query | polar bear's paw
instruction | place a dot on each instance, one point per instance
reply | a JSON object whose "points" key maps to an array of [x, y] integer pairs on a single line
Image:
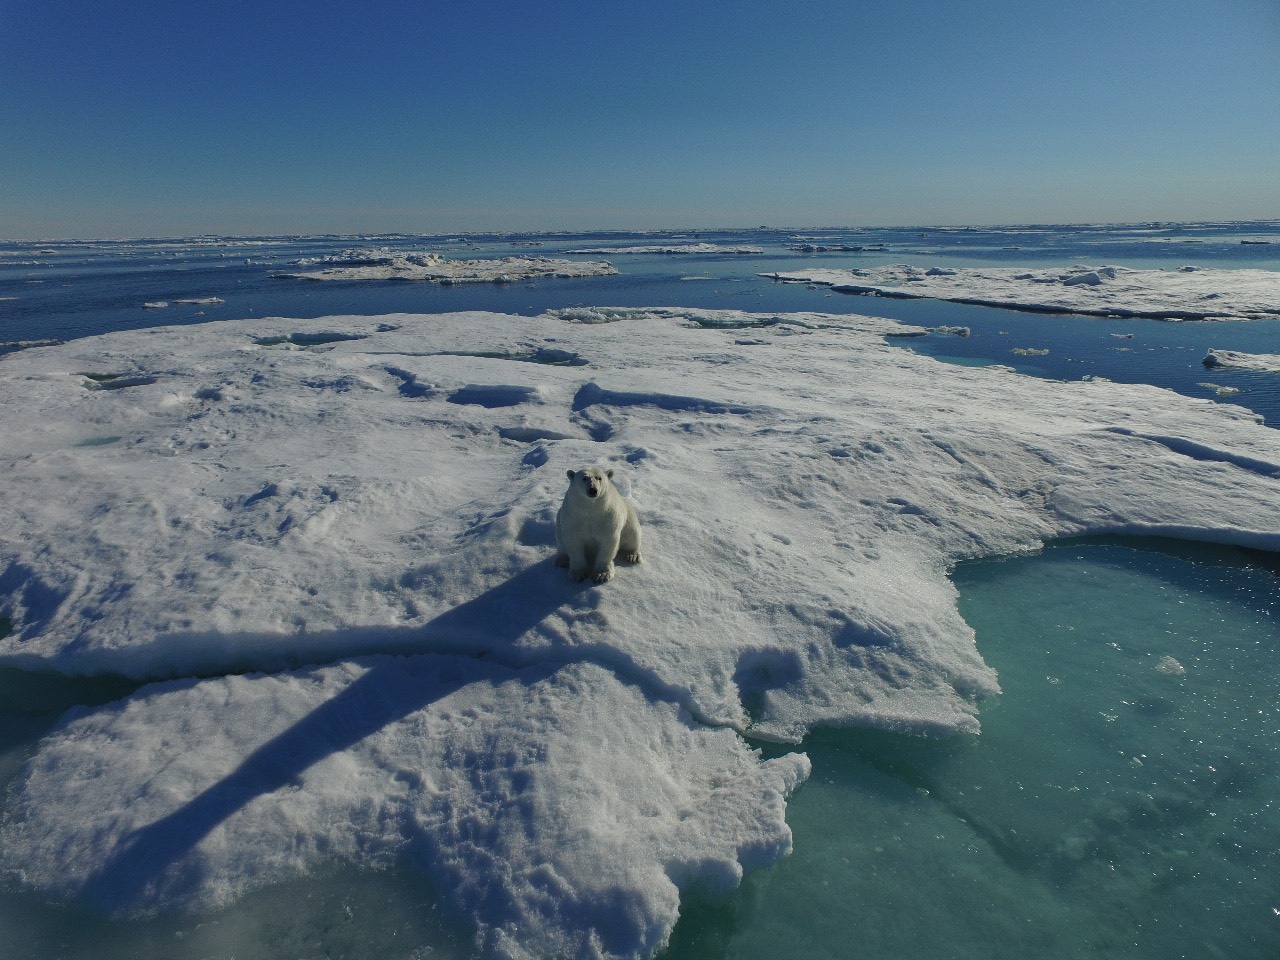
{"points": [[605, 575], [631, 556]]}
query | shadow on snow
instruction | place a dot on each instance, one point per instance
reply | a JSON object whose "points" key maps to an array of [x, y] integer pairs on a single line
{"points": [[384, 695]]}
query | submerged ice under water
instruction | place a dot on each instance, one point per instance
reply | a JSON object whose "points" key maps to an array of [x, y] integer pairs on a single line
{"points": [[1119, 802]]}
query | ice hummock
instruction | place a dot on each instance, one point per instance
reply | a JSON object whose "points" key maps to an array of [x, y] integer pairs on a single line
{"points": [[383, 264], [1189, 293], [1235, 359], [675, 249], [332, 546]]}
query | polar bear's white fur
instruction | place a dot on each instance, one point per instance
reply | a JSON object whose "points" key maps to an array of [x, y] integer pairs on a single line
{"points": [[596, 525]]}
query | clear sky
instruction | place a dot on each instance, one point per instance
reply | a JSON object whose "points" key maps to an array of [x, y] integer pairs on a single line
{"points": [[293, 116]]}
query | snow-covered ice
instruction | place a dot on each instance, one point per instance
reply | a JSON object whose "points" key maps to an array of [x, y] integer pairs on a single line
{"points": [[1185, 294], [560, 805], [10, 346], [835, 247], [1260, 362], [432, 267], [331, 543], [675, 249], [198, 301]]}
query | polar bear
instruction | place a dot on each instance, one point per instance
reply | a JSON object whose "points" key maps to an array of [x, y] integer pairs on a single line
{"points": [[595, 525]]}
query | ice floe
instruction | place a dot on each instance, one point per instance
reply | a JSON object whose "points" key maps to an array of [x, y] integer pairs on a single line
{"points": [[331, 544], [809, 247], [1185, 294], [675, 249], [12, 346], [435, 268], [197, 301], [1261, 362]]}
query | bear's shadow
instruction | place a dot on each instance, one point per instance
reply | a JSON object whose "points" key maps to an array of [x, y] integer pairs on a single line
{"points": [[379, 697]]}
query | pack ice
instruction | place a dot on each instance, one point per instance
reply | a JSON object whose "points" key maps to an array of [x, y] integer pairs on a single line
{"points": [[383, 264], [1188, 293], [327, 546]]}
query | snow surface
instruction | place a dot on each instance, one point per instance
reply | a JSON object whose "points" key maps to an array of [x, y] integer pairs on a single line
{"points": [[1189, 293], [674, 248], [1261, 362], [331, 542], [434, 268]]}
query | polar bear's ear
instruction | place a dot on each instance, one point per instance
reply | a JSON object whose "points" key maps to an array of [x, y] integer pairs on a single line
{"points": [[571, 474], [609, 474]]}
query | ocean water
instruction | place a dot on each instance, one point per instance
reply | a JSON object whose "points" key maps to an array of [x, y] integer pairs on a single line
{"points": [[1120, 801]]}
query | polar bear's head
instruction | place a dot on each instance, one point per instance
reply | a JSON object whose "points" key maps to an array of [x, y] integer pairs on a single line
{"points": [[591, 482]]}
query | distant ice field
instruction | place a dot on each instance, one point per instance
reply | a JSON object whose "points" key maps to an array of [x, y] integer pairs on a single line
{"points": [[63, 290]]}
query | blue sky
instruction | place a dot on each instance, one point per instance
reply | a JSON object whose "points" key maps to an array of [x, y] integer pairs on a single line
{"points": [[149, 118]]}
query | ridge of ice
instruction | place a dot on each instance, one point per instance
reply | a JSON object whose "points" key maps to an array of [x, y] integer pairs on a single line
{"points": [[433, 267], [674, 248], [1188, 293], [263, 495], [1261, 362]]}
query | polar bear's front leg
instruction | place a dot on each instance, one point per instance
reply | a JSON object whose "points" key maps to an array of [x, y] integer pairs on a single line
{"points": [[603, 571], [576, 561], [629, 542]]}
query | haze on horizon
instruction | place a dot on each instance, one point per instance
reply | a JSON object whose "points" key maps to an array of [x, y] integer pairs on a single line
{"points": [[156, 119]]}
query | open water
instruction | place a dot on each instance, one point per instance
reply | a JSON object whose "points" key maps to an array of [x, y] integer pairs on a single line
{"points": [[1122, 798]]}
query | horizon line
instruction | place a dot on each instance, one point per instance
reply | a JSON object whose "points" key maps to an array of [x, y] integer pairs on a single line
{"points": [[638, 231]]}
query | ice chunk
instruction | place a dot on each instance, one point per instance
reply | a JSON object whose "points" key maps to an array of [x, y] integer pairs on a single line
{"points": [[1261, 362], [675, 248], [433, 267]]}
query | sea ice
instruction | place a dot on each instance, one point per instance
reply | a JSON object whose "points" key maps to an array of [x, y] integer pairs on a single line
{"points": [[12, 346], [1185, 294], [1260, 362], [561, 807], [437, 269], [332, 541], [675, 248]]}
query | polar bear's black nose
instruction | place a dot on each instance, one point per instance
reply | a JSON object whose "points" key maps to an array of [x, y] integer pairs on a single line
{"points": [[592, 491]]}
